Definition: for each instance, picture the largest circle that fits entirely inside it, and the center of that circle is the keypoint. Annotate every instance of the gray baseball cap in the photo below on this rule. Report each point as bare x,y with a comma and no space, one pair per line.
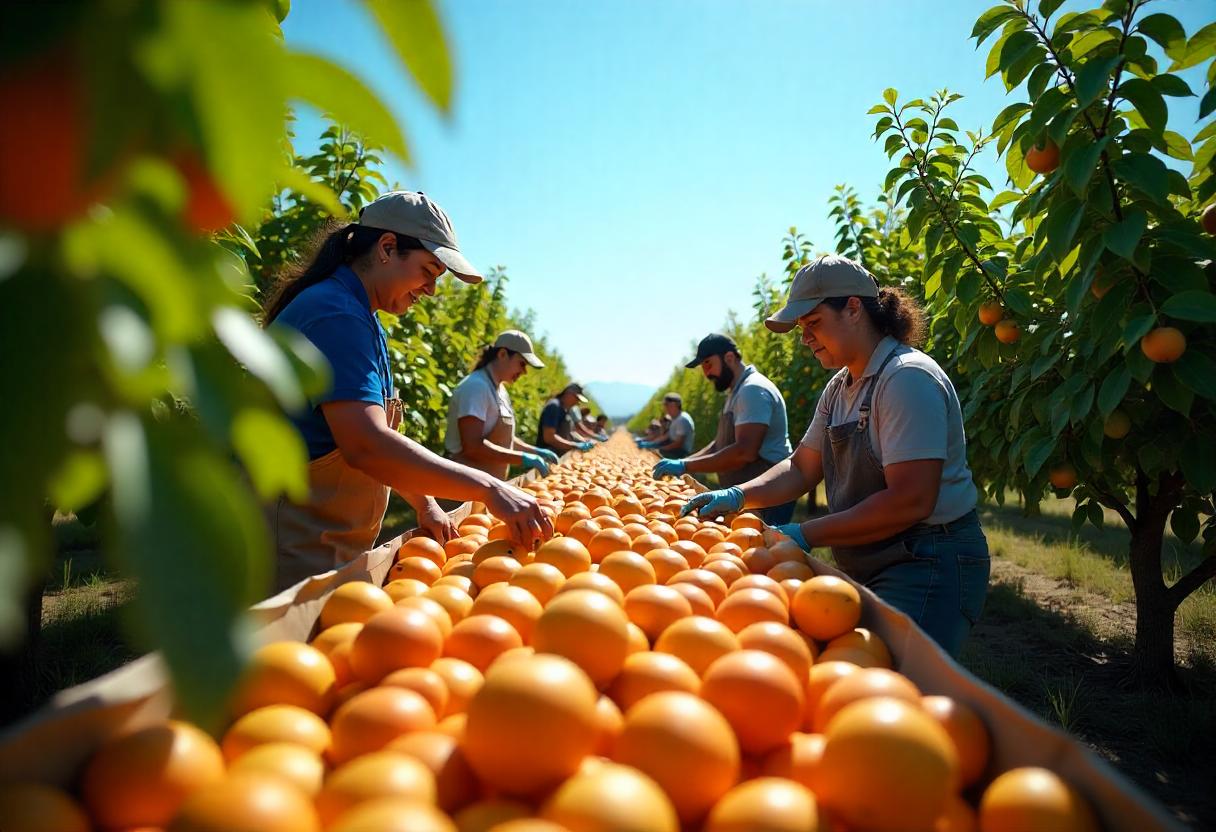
829,276
516,341
414,214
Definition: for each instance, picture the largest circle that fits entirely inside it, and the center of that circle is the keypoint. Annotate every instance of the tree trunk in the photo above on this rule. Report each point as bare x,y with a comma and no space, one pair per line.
1155,605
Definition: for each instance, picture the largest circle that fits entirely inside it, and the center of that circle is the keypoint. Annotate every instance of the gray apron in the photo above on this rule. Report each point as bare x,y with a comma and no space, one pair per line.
851,473
502,434
726,436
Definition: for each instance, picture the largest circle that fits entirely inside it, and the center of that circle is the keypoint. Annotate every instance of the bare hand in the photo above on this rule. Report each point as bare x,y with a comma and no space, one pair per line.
433,521
522,514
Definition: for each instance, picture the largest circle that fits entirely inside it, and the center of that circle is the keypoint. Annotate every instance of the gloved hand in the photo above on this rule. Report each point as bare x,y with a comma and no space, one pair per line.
713,503
668,468
536,463
547,455
585,446
645,443
794,532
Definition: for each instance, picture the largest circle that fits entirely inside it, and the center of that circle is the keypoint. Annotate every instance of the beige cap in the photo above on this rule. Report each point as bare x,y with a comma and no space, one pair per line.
413,214
829,276
516,341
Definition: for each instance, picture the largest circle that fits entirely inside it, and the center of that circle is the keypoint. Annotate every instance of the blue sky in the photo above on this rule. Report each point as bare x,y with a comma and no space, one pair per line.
634,164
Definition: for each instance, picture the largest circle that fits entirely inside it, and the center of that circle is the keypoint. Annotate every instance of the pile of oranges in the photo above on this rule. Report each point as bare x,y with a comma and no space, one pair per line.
640,672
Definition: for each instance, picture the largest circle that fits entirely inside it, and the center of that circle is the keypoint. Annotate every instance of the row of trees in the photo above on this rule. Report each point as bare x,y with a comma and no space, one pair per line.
1074,308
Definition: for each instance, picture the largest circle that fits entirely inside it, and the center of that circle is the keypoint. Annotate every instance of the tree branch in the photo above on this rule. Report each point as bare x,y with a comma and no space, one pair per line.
1191,581
1112,501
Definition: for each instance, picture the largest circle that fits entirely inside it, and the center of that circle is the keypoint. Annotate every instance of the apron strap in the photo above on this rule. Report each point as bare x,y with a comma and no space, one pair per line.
863,413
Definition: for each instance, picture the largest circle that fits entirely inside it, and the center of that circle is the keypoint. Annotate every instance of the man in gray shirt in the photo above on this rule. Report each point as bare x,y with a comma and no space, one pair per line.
753,432
677,442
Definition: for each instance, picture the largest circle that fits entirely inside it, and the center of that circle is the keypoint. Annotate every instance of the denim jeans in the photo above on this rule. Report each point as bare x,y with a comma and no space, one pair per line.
942,587
777,515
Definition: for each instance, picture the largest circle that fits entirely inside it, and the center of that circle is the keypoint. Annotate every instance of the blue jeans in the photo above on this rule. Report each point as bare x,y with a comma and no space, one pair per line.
777,515
942,587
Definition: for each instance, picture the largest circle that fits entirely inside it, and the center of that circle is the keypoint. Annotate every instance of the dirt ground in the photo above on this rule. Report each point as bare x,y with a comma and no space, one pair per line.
1065,654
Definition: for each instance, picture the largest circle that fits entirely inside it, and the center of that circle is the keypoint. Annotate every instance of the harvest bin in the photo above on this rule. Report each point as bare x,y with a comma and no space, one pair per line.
51,745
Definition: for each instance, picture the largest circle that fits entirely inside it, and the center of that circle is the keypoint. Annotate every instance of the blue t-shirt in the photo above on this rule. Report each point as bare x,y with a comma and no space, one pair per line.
336,316
553,416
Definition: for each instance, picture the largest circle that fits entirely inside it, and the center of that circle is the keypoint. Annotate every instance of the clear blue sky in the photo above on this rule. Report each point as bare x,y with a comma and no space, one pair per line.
634,164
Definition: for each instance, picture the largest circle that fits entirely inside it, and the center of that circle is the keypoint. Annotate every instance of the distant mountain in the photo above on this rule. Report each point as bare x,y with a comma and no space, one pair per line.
620,399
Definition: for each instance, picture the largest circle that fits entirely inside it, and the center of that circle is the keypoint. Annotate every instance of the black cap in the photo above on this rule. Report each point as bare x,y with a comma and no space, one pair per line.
576,389
713,344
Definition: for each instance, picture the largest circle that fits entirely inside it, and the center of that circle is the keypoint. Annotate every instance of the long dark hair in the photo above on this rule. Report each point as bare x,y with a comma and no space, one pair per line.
893,313
489,354
334,245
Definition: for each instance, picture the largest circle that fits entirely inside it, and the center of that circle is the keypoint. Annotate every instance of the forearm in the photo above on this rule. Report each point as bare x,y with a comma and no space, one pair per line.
554,441
730,458
409,468
875,518
780,484
704,452
486,451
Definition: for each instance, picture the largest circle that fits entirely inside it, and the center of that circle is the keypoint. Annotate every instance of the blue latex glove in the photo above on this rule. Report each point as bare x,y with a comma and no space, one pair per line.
585,446
668,468
713,503
536,463
645,443
547,455
794,532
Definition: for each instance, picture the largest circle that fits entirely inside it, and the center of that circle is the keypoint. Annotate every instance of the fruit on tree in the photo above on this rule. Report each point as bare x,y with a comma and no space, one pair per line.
991,313
1209,219
1118,425
1164,345
1008,331
1044,157
1063,477
207,210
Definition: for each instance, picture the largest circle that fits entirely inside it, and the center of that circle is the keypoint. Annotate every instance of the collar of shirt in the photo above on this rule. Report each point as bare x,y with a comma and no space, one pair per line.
881,351
346,276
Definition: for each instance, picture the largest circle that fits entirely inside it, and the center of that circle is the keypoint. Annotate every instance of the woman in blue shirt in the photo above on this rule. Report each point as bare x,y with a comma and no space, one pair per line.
389,259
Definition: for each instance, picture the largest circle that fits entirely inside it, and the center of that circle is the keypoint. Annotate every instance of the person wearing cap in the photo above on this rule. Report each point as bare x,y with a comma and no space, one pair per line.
753,431
481,420
677,441
559,421
887,442
386,261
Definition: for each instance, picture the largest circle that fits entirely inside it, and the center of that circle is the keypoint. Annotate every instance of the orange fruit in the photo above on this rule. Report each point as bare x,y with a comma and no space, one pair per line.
790,570
768,803
541,579
648,542
207,210
1117,425
697,598
300,766
423,681
798,760
585,529
566,553
726,568
453,725
415,567
650,672
568,516
826,607
698,641
276,724
686,746
888,747
374,775
461,546
789,586
459,567
610,521
693,553
728,547
423,547
513,604
433,609
760,582
480,639
463,583
787,551
1043,157
707,537
654,608
759,696
140,778
967,731
393,814
499,548
783,642
485,815
864,640
864,684
611,798
595,582
1008,331
455,785
493,570
749,606
991,313
461,680
759,560
610,720
455,601
713,584
663,530
628,570
404,588
958,817
747,520
354,601
372,719
542,702
665,563
638,642
823,675
247,802
1033,798
327,640
589,629
35,807
394,639
745,537
1063,477
287,673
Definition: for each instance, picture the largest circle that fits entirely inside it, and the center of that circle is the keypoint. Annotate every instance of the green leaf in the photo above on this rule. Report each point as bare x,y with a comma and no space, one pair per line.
1080,164
1199,48
1048,7
1191,306
1184,522
1018,301
1196,370
1061,226
273,453
890,95
1038,454
1114,388
1017,45
1208,103
259,353
414,29
1199,467
1137,327
1123,237
339,93
1167,32
1009,115
298,181
1171,391
1146,172
1172,85
990,21
1092,79
1147,101
79,482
